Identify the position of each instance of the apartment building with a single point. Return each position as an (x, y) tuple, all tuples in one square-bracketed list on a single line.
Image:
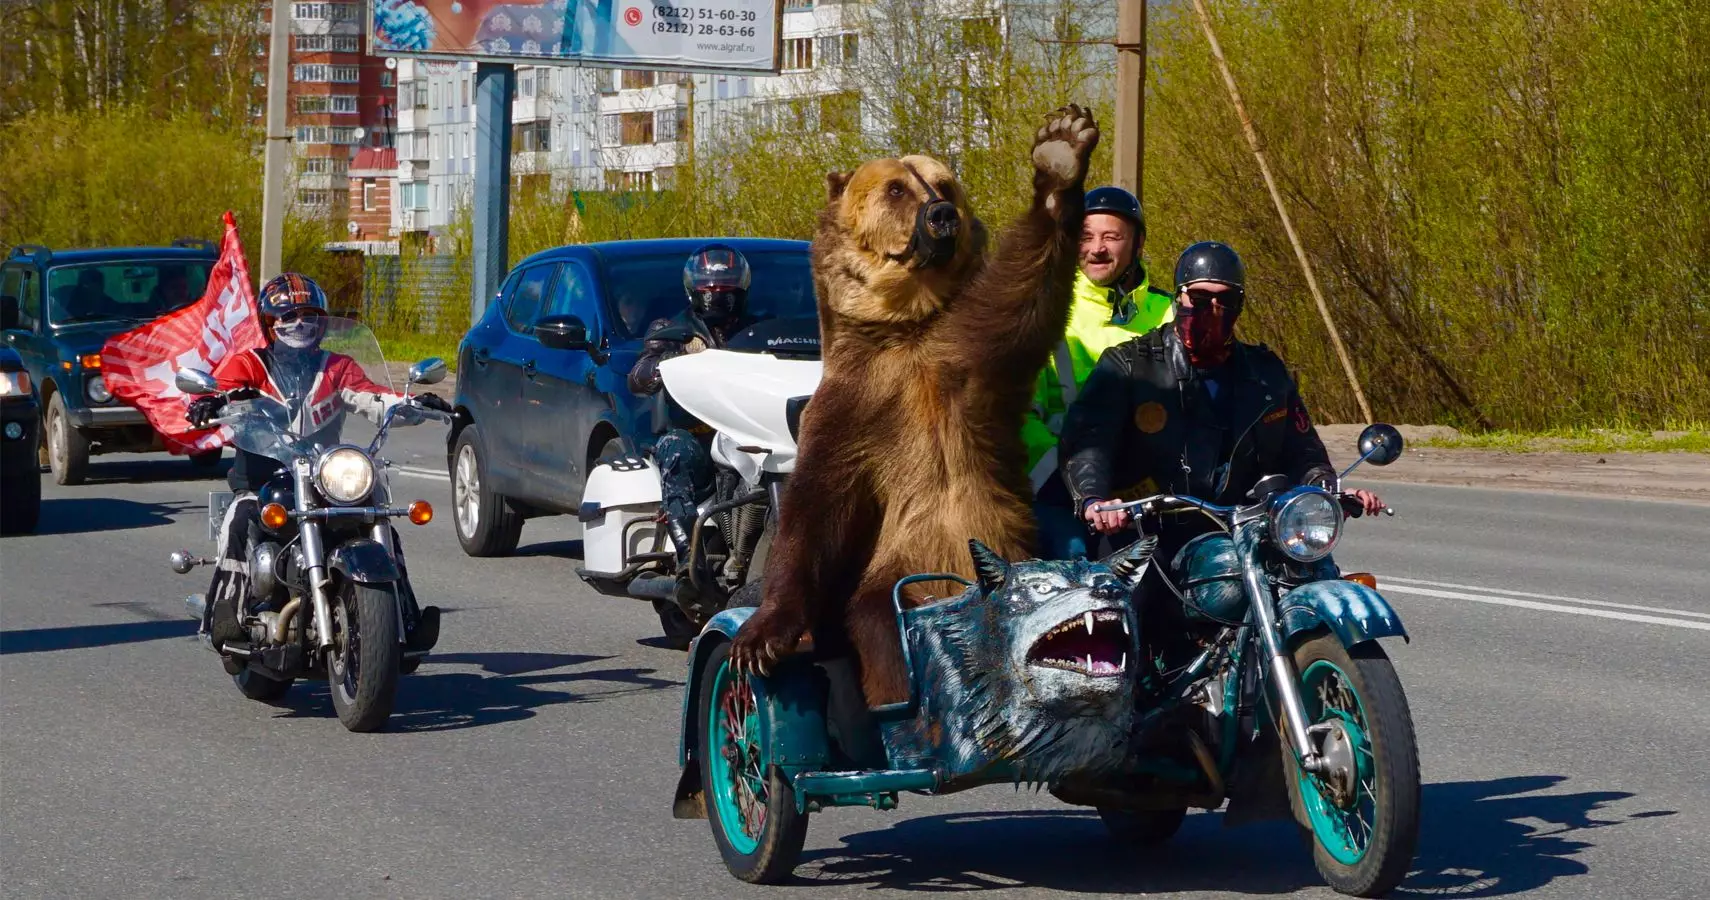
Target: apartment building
[(338, 100), (811, 92)]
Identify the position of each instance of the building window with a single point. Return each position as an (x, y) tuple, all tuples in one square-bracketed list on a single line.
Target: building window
[(464, 93), (637, 128), (433, 96), (637, 79), (322, 165), (344, 103), (386, 79), (310, 104), (525, 84), (369, 195), (346, 74), (851, 48), (628, 181), (798, 4), (829, 48), (345, 43), (310, 73), (311, 43), (533, 137), (609, 129), (311, 134), (312, 198), (798, 53), (421, 94), (342, 135)]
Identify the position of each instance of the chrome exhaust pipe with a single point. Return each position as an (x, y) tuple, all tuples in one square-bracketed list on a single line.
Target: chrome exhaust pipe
[(282, 625)]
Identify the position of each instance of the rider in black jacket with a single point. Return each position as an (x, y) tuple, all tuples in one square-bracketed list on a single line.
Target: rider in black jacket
[(1188, 409), (716, 278)]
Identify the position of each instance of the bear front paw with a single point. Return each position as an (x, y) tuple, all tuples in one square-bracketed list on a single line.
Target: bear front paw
[(760, 644), (1061, 149)]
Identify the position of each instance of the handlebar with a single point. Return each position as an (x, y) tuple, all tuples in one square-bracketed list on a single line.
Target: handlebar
[(1157, 503)]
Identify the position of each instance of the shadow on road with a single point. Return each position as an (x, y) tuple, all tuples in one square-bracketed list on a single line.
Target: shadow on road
[(78, 637), (519, 684), (81, 515), (1479, 839), (562, 549), (117, 469)]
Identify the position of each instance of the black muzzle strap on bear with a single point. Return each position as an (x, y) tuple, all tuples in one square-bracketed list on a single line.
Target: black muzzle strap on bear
[(936, 225)]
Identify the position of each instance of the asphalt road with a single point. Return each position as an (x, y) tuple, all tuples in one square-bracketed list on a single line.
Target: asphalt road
[(1559, 676)]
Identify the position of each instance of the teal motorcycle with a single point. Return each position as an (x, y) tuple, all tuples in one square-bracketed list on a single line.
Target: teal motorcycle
[(1253, 677)]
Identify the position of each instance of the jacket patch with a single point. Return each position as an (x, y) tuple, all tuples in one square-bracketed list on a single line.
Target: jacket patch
[(1302, 423), (1275, 416), (1150, 417)]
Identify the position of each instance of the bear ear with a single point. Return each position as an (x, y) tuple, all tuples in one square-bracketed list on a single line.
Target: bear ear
[(1130, 562), (992, 568), (835, 182)]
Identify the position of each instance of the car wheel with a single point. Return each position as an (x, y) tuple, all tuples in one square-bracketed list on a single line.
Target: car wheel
[(486, 525), (68, 449)]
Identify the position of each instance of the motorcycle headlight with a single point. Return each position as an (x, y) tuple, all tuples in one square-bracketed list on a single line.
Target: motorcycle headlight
[(1305, 523), (345, 475), (97, 390)]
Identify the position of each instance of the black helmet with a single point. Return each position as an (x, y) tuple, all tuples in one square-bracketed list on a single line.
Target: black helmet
[(1117, 202), (716, 278), (1210, 261), (291, 292)]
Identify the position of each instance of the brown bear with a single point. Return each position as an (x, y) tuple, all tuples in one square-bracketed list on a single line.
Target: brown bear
[(911, 444)]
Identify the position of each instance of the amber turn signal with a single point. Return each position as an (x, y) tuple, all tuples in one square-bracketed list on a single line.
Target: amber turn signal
[(421, 512), (90, 360), (274, 516), (1365, 578)]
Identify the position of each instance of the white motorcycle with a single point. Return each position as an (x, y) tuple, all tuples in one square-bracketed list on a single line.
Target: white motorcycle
[(752, 395)]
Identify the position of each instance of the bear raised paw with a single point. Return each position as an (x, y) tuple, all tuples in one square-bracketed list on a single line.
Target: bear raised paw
[(912, 442)]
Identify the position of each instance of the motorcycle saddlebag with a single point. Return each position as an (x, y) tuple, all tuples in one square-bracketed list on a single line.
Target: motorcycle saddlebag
[(619, 513)]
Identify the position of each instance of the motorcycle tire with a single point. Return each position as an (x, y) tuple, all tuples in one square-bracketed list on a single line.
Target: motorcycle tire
[(1333, 677), (678, 628), (259, 687), (364, 662), (763, 846)]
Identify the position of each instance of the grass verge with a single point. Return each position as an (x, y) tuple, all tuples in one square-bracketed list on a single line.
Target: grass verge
[(409, 348), (1580, 440)]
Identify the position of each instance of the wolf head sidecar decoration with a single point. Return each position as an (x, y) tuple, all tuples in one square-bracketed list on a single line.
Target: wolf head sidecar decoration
[(1028, 672)]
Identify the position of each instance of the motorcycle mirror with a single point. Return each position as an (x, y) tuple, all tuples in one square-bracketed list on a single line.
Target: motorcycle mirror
[(196, 381), (182, 561), (429, 371), (1380, 444)]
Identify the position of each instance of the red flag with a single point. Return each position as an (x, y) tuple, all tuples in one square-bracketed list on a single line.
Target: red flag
[(139, 365)]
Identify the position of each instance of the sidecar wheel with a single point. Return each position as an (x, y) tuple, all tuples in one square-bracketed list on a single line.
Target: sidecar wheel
[(363, 663), (1142, 828), (1363, 826), (751, 807)]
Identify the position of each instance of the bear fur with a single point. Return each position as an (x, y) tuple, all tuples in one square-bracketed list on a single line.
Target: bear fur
[(912, 442)]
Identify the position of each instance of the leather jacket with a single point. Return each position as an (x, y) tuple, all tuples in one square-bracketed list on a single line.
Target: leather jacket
[(1148, 422), (644, 375)]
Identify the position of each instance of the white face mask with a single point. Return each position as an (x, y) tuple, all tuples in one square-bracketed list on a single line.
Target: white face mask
[(299, 335)]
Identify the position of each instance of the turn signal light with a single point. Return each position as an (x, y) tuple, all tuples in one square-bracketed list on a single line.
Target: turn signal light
[(1365, 578), (274, 516), (90, 360), (421, 512)]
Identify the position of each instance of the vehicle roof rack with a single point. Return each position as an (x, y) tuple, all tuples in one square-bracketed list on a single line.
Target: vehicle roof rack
[(36, 252), (196, 244)]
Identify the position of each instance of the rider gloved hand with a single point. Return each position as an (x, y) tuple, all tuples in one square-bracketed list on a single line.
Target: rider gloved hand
[(434, 402), (202, 410)]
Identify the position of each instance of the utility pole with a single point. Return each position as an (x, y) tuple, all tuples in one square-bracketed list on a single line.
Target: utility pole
[(1129, 160), (276, 163), (494, 83)]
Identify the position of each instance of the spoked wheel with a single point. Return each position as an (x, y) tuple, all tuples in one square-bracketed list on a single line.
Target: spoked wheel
[(1362, 816), (362, 666), (752, 808)]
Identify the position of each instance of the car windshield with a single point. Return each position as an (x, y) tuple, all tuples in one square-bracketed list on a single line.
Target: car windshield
[(125, 291), (649, 286)]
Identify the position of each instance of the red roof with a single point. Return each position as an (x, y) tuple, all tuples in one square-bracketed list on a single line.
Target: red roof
[(369, 158)]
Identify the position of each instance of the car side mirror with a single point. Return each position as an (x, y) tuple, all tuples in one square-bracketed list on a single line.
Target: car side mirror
[(563, 333), (1380, 444), (8, 313), (429, 371), (196, 381)]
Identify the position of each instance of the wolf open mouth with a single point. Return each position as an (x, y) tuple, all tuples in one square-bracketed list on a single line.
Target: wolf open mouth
[(1094, 644)]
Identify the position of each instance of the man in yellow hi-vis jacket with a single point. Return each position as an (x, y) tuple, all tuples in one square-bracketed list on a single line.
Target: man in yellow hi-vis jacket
[(1114, 302)]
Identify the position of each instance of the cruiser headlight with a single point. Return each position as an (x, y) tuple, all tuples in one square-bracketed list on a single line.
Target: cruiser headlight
[(345, 475), (1305, 523)]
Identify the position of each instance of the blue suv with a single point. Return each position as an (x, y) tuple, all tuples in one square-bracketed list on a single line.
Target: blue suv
[(541, 392), (58, 307)]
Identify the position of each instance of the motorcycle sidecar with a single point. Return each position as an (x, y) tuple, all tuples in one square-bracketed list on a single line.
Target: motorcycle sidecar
[(1022, 678)]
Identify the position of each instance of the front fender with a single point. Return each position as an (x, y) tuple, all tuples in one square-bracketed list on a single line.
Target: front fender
[(720, 628), (1354, 612), (364, 560)]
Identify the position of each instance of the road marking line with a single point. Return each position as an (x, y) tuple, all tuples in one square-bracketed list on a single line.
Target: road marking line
[(414, 472), (1508, 593), (1546, 607)]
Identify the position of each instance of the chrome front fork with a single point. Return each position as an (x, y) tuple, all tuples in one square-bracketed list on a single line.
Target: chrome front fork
[(1283, 676), (314, 558)]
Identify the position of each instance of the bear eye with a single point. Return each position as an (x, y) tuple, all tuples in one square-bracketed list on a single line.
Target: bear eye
[(896, 189)]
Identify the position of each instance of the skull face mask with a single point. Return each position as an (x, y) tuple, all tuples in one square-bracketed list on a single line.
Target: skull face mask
[(299, 332)]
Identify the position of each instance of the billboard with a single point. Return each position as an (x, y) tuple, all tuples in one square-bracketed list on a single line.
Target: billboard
[(710, 35)]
